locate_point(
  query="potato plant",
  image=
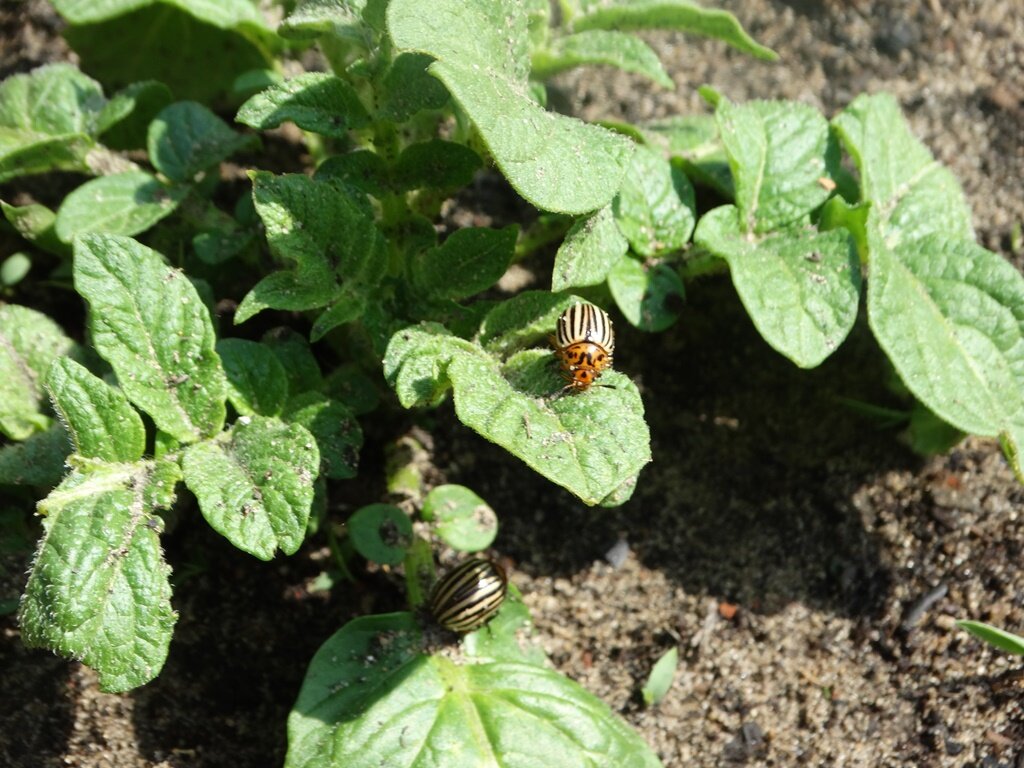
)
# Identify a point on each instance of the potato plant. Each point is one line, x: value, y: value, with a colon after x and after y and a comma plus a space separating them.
x: 160, y: 400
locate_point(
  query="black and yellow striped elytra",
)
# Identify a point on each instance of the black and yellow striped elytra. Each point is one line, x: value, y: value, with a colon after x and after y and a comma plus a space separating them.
x: 584, y: 343
x: 467, y: 597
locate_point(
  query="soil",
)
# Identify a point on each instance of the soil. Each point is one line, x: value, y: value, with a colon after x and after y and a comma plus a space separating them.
x: 806, y: 564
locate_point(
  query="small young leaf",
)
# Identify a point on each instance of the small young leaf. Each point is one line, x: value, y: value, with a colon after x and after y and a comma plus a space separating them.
x: 347, y: 307
x: 99, y: 588
x: 660, y: 679
x: 599, y: 47
x: 681, y: 15
x: 14, y: 269
x: 149, y: 323
x: 98, y: 417
x: 121, y: 204
x: 435, y: 163
x: 655, y: 205
x: 35, y: 223
x: 48, y: 121
x: 800, y: 287
x: 590, y: 249
x: 29, y: 343
x: 555, y: 162
x: 950, y: 316
x: 324, y: 230
x: 314, y: 101
x: 337, y: 433
x: 381, y: 533
x: 649, y: 296
x: 469, y: 261
x: 779, y: 152
x: 464, y: 520
x: 408, y: 88
x: 911, y: 195
x: 196, y: 47
x: 311, y: 288
x: 256, y: 379
x: 37, y: 460
x: 999, y: 638
x: 186, y: 138
x: 255, y: 484
x: 444, y: 714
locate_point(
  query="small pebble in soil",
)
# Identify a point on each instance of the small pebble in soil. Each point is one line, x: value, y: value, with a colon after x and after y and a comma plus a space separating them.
x: 920, y: 606
x: 749, y: 742
x: 616, y: 556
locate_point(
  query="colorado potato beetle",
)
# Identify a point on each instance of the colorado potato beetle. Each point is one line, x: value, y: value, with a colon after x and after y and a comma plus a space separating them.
x: 469, y: 596
x: 584, y: 342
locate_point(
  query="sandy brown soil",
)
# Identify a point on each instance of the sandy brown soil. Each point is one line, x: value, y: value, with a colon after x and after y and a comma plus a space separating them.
x: 768, y: 501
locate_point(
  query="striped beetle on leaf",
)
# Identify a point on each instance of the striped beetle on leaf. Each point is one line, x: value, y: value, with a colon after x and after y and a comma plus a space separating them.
x: 584, y: 342
x: 469, y: 596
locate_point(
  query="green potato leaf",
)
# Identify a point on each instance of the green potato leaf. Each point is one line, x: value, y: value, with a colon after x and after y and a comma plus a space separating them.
x: 35, y: 223
x: 408, y: 88
x: 947, y: 312
x: 469, y: 261
x: 681, y: 15
x: 591, y: 248
x: 655, y: 208
x: 381, y: 533
x: 950, y: 316
x: 555, y: 162
x: 337, y: 432
x: 591, y: 444
x: 693, y: 140
x: 648, y: 295
x: 256, y: 380
x: 613, y: 49
x: 254, y: 483
x: 781, y: 160
x: 99, y: 588
x: 101, y: 422
x: 196, y: 47
x: 186, y: 139
x: 440, y: 714
x: 911, y: 194
x: 149, y: 323
x: 49, y: 119
x: 29, y: 344
x: 312, y: 18
x: 463, y: 520
x: 801, y: 287
x: 120, y: 204
x: 314, y: 101
x: 434, y: 164
x: 325, y: 232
